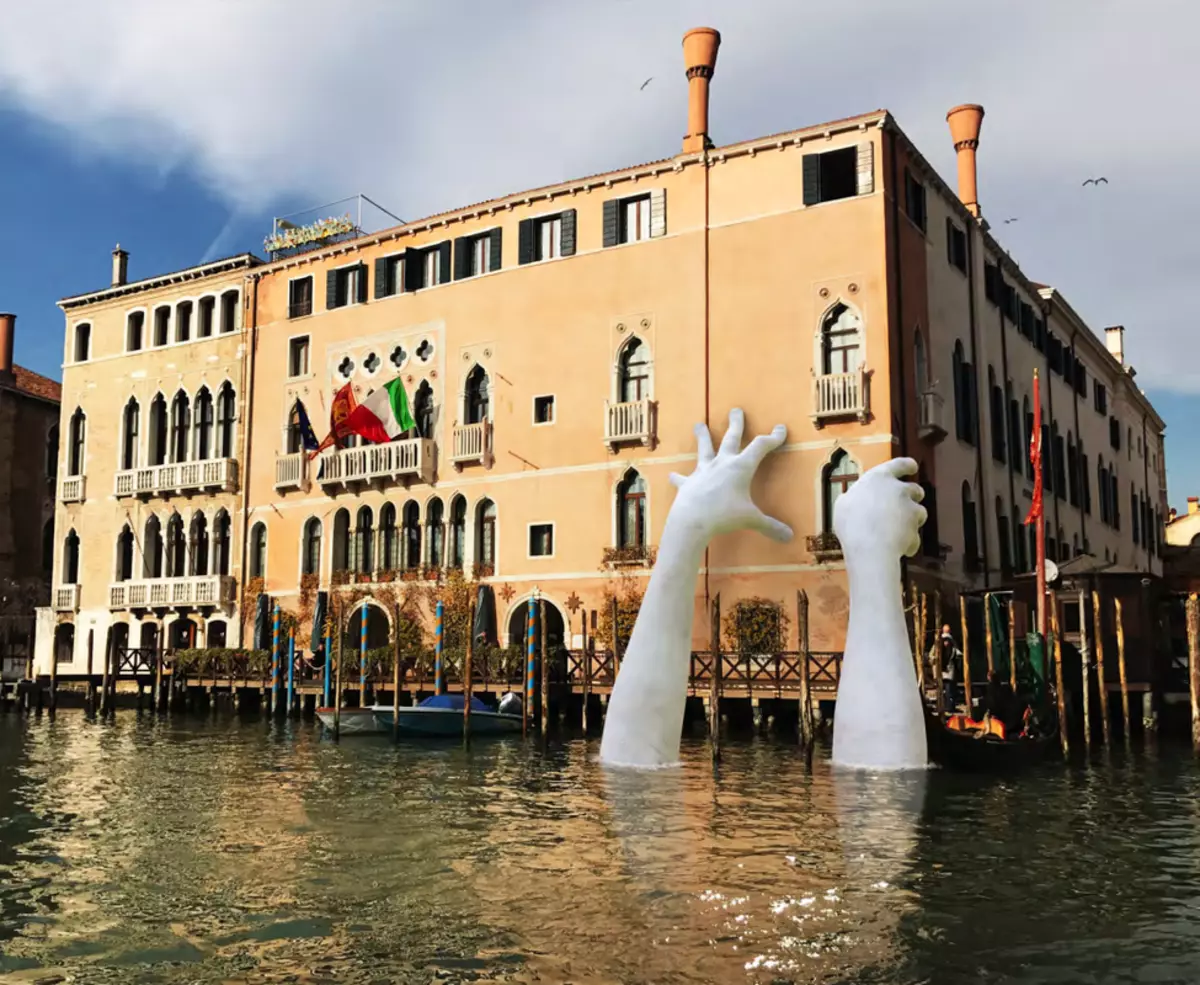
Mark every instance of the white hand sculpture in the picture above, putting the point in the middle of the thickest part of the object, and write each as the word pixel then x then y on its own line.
pixel 645 711
pixel 879 722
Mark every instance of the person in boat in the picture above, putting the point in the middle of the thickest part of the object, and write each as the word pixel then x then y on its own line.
pixel 1002 702
pixel 951 665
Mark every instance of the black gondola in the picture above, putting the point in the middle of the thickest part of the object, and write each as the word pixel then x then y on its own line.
pixel 970 752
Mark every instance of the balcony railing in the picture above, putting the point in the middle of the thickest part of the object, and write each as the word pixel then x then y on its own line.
pixel 472 443
pixel 929 421
pixel 825 546
pixel 291 471
pixel 66 598
pixel 394 461
pixel 163 592
pixel 214 474
pixel 840 395
pixel 72 489
pixel 631 421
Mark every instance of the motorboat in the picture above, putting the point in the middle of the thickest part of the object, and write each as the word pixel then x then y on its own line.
pixel 442 714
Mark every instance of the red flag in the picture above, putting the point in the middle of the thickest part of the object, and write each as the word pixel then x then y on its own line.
pixel 1035 454
pixel 340 408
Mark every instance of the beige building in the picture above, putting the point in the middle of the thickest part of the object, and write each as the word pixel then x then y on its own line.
pixel 558 344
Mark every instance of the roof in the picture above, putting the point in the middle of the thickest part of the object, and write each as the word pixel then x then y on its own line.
pixel 224 265
pixel 36 385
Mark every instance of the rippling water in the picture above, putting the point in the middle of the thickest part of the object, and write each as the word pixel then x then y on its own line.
pixel 185 851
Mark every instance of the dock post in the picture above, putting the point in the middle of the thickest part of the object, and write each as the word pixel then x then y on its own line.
pixel 327 682
pixel 1098 635
pixel 1085 666
pixel 915 608
pixel 53 680
pixel 275 659
pixel 966 654
pixel 988 643
pixel 545 666
pixel 90 699
pixel 714 693
pixel 362 656
pixel 291 678
pixel 616 614
pixel 1060 696
pixel 530 665
pixel 1012 645
pixel 807 725
pixel 921 651
pixel 337 697
pixel 1193 642
pixel 586 659
pixel 467 661
pixel 158 678
pixel 439 673
pixel 1121 671
pixel 396 680
pixel 104 705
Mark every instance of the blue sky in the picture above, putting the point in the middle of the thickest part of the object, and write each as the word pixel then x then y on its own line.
pixel 181 136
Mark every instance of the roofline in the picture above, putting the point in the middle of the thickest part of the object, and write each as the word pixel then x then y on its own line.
pixel 13 388
pixel 237 262
pixel 775 141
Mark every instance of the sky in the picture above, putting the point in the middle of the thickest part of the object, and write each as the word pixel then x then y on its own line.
pixel 180 135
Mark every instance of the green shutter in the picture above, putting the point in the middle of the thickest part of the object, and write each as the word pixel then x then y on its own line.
pixel 612 216
pixel 414 269
pixel 443 262
pixel 567 239
pixel 331 301
pixel 462 257
pixel 494 247
pixel 362 283
pixel 382 287
pixel 811 171
pixel 525 241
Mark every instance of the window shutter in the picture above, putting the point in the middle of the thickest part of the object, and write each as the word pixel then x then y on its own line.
pixel 566 243
pixel 525 240
pixel 658 212
pixel 414 269
pixel 331 279
pixel 443 262
pixel 494 249
pixel 462 257
pixel 382 287
pixel 362 283
pixel 612 215
pixel 866 167
pixel 950 239
pixel 812 179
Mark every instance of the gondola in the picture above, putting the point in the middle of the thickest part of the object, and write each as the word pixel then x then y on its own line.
pixel 975 751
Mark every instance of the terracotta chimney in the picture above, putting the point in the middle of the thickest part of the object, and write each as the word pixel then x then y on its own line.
pixel 700 46
pixel 1114 338
pixel 120 266
pixel 965 122
pixel 1193 505
pixel 8 326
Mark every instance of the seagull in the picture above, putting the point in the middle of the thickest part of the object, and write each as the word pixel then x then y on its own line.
pixel 646 83
pixel 1013 219
pixel 1096 181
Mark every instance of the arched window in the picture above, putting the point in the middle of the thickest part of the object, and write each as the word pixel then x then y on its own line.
pixel 389 538
pixel 633 372
pixel 176 547
pixel 411 534
pixel 341 541
pixel 52 452
pixel 83 342
pixel 1003 535
pixel 204 327
pixel 77 448
pixel 130 426
pixel 423 410
pixel 295 429
pixel 203 413
pixel 475 409
pixel 70 568
pixel 181 419
pixel 311 557
pixel 841 341
pixel 229 311
pixel 364 541
pixel 183 321
pixel 48 548
pixel 458 532
pixel 970 529
pixel 999 451
pixel 485 537
pixel 221 543
pixel 162 324
pixel 258 550
pixel 226 416
pixel 631 511
pixel 135 326
pixel 198 536
pixel 920 362
pixel 838 476
pixel 215 634
pixel 158 430
pixel 152 549
pixel 435 521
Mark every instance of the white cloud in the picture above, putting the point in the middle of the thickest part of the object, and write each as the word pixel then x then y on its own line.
pixel 429 106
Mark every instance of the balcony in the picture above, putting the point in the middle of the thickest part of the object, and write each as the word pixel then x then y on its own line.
pixel 164 592
pixel 72 489
pixel 211 475
pixel 629 422
pixel 472 443
pixel 837 395
pixel 291 471
pixel 929 417
pixel 824 546
pixel 397 461
pixel 66 598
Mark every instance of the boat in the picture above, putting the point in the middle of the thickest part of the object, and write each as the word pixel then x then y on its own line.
pixel 442 714
pixel 968 746
pixel 355 721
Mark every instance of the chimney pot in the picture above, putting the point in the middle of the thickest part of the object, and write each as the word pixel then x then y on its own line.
pixel 8 327
pixel 120 266
pixel 700 46
pixel 965 122
pixel 1114 339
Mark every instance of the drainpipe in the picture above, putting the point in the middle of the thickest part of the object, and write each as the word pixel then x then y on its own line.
pixel 250 337
pixel 896 326
pixel 1014 518
pixel 1080 476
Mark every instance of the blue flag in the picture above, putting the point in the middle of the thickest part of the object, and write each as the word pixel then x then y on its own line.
pixel 308 437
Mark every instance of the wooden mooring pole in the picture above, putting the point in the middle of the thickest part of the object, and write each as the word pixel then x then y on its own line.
pixel 807 725
pixel 396 679
pixel 987 635
pixel 467 661
pixel 1085 671
pixel 53 680
pixel 1060 696
pixel 714 677
pixel 1012 645
pixel 586 658
pixel 104 700
pixel 616 613
pixel 1193 644
pixel 545 667
pixel 1098 635
pixel 337 686
pixel 915 603
pixel 1125 722
pixel 966 652
pixel 922 683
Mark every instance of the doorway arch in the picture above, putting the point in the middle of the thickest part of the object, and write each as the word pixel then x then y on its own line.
pixel 379 627
pixel 555 624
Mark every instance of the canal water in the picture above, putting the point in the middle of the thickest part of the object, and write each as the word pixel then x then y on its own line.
pixel 225 851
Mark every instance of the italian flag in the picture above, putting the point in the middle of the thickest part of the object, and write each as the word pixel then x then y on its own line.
pixel 384 415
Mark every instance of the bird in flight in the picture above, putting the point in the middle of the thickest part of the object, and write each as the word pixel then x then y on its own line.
pixel 1013 219
pixel 646 83
pixel 1096 181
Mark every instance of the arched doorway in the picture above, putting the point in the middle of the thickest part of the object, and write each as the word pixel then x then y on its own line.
pixel 555 627
pixel 64 642
pixel 182 634
pixel 379 630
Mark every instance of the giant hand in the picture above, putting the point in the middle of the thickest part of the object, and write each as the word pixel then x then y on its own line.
pixel 879 722
pixel 645 711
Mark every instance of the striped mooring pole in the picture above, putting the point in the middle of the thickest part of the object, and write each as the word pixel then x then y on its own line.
pixel 275 661
pixel 531 654
pixel 362 658
pixel 327 698
pixel 291 687
pixel 439 680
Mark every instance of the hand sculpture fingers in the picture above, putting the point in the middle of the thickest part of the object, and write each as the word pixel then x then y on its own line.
pixel 768 526
pixel 915 492
pixel 731 444
pixel 899 467
pixel 678 480
pixel 704 445
pixel 760 447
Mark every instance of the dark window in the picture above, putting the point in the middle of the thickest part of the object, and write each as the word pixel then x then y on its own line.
pixel 435 521
pixel 341 541
pixel 300 297
pixel 1004 536
pixel 221 528
pixel 478 254
pixel 1134 512
pixel 1008 302
pixel 129 439
pixel 930 543
pixel 83 342
pixel 1114 433
pixel 125 554
pixel 77 436
pixel 999 452
pixel 541 540
pixel 551 236
pixel 1085 483
pixel 485 537
pixel 633 372
pixel 1099 397
pixel 364 541
pixel 258 550
pixel 1016 447
pixel 1072 472
pixel 183 321
pixel 991 282
pixel 198 545
pixel 1028 438
pixel 839 475
pixel 841 341
pixel 964 396
pixel 956 253
pixel 176 548
pixel 181 419
pixel 970 530
pixel 1054 353
pixel 207 308
pixel 298 356
pixel 1028 326
pixel 226 416
pixel 543 410
pixel 135 326
pixel 1081 376
pixel 1102 486
pixel 427 266
pixel 203 416
pixel 411 535
pixel 458 532
pixel 914 197
pixel 346 285
pixel 152 549
pixel 389 538
pixel 229 308
pixel 389 275
pixel 830 176
pixel 631 511
pixel 71 559
pixel 162 322
pixel 158 430
pixel 1060 468
pixel 1114 500
pixel 477 397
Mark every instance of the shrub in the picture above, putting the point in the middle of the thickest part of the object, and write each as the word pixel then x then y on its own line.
pixel 756 625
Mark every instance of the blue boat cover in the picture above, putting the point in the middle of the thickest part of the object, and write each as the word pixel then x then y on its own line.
pixel 453 702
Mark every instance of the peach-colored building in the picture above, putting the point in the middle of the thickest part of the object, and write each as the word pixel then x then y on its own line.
pixel 557 346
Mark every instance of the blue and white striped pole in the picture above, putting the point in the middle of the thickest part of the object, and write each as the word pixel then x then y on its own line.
pixel 291 688
pixel 439 680
pixel 275 661
pixel 328 696
pixel 362 658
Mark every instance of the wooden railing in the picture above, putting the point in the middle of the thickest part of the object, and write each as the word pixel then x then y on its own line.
pixel 840 395
pixel 633 420
pixel 215 474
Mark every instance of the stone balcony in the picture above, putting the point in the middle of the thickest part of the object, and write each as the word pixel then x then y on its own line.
pixel 72 489
pixel 291 471
pixel 930 423
pixel 630 422
pixel 196 590
pixel 840 395
pixel 396 461
pixel 211 475
pixel 65 598
pixel 472 443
